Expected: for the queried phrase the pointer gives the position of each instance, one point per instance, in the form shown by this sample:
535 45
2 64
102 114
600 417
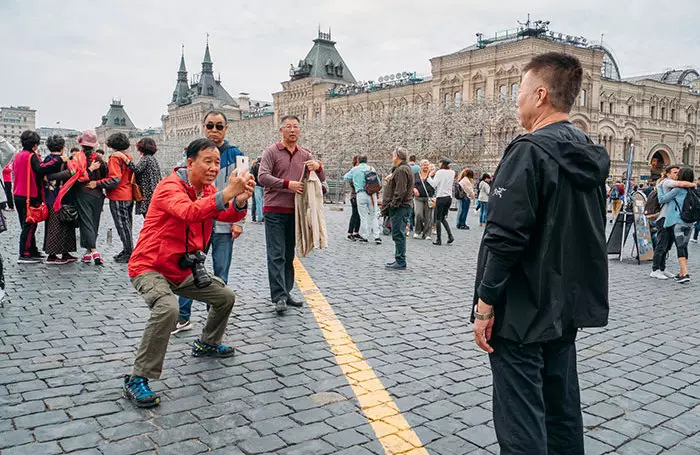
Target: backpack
372 182
459 191
615 192
690 213
652 206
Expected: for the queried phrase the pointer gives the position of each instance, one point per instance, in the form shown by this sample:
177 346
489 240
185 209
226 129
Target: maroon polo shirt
278 167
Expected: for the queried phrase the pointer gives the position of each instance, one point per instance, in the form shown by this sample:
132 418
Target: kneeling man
168 261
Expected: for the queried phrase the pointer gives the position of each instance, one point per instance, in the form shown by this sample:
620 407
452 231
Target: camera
195 262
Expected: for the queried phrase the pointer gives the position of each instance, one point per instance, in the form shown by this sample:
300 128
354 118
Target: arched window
582 99
479 95
123 122
458 99
663 113
652 112
502 93
602 107
629 110
611 108
514 92
447 99
673 115
690 118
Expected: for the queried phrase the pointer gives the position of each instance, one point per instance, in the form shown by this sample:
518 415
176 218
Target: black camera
195 262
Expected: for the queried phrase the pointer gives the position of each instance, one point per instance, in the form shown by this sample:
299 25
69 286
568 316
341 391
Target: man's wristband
483 317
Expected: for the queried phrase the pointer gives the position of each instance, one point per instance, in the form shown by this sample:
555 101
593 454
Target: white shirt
484 190
443 182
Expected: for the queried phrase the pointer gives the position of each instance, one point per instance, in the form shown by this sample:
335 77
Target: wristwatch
483 317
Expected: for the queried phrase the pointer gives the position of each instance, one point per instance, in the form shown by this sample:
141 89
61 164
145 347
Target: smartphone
242 162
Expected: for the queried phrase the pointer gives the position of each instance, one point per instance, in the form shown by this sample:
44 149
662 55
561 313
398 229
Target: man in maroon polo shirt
282 168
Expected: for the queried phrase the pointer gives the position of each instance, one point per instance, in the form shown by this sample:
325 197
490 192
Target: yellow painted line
392 430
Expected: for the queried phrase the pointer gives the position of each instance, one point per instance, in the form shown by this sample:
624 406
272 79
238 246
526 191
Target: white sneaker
427 237
658 274
693 241
416 236
181 326
668 274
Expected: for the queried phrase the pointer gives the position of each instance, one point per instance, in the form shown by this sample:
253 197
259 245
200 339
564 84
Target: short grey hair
401 153
288 117
422 162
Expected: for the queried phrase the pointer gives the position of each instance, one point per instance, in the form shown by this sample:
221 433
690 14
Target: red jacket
174 207
118 181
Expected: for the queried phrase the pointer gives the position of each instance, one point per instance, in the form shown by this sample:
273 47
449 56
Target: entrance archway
658 162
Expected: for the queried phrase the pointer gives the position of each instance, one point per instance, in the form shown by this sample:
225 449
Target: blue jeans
484 212
463 212
258 195
399 219
221 252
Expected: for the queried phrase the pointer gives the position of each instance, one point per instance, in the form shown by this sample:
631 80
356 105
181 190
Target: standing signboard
645 247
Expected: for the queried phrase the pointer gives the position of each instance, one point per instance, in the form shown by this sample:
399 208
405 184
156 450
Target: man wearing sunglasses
215 128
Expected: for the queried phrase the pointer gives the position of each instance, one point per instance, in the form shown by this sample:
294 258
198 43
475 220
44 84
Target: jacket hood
585 164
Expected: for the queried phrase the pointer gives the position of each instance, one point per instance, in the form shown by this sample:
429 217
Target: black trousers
442 206
536 398
281 240
27 238
664 242
8 194
354 226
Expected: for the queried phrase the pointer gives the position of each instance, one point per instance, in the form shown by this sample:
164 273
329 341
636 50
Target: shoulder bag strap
29 185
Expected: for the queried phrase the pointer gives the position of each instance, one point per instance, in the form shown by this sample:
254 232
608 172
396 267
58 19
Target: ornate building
115 121
15 120
657 113
191 101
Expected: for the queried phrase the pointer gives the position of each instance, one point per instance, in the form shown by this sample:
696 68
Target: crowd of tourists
544 234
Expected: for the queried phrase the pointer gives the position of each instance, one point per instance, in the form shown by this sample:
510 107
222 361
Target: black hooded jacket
542 262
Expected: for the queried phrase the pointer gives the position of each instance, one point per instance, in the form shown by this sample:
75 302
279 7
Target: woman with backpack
682 228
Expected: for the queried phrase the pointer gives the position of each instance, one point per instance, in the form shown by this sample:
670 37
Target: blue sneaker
202 349
136 389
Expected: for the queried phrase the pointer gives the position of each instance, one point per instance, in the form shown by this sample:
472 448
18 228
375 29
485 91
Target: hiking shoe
351 237
181 326
658 274
668 274
202 349
137 390
87 258
281 306
682 279
97 257
67 258
28 260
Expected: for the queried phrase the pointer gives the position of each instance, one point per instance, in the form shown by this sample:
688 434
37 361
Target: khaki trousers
160 296
616 207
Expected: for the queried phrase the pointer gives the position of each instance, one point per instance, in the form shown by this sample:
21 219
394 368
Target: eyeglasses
218 126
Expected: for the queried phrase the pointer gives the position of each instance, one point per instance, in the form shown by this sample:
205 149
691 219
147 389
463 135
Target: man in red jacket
169 260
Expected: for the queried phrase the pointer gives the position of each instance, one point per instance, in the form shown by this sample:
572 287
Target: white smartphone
242 162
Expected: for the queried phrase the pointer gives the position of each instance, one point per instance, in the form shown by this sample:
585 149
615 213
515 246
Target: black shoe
396 266
281 306
378 241
295 303
202 349
437 242
390 263
450 240
362 240
466 227
123 259
351 237
357 236
37 255
682 279
121 253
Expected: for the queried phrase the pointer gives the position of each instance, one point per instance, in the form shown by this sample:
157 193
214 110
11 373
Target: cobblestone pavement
68 335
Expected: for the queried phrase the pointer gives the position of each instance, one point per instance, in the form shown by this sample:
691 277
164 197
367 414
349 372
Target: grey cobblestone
284 393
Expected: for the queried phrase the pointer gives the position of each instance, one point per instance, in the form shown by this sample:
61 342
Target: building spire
183 68
207 65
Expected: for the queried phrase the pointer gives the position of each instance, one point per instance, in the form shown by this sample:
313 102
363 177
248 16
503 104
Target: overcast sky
68 59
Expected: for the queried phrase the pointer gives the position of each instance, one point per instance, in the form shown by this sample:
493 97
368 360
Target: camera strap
187 240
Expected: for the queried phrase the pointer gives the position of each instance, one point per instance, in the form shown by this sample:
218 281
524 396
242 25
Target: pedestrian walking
542 270
7 184
59 235
354 226
282 167
443 181
366 200
465 181
424 202
616 194
483 198
147 173
89 199
397 202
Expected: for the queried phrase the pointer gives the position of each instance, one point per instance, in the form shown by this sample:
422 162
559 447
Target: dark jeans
412 218
8 193
27 238
695 235
354 226
664 241
399 218
280 239
442 206
464 211
536 398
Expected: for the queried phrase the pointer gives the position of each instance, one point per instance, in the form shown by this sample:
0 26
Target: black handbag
67 214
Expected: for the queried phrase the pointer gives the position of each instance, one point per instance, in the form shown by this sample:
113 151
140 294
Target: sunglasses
218 126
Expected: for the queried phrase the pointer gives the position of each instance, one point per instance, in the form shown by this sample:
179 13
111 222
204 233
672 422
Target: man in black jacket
396 203
542 271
